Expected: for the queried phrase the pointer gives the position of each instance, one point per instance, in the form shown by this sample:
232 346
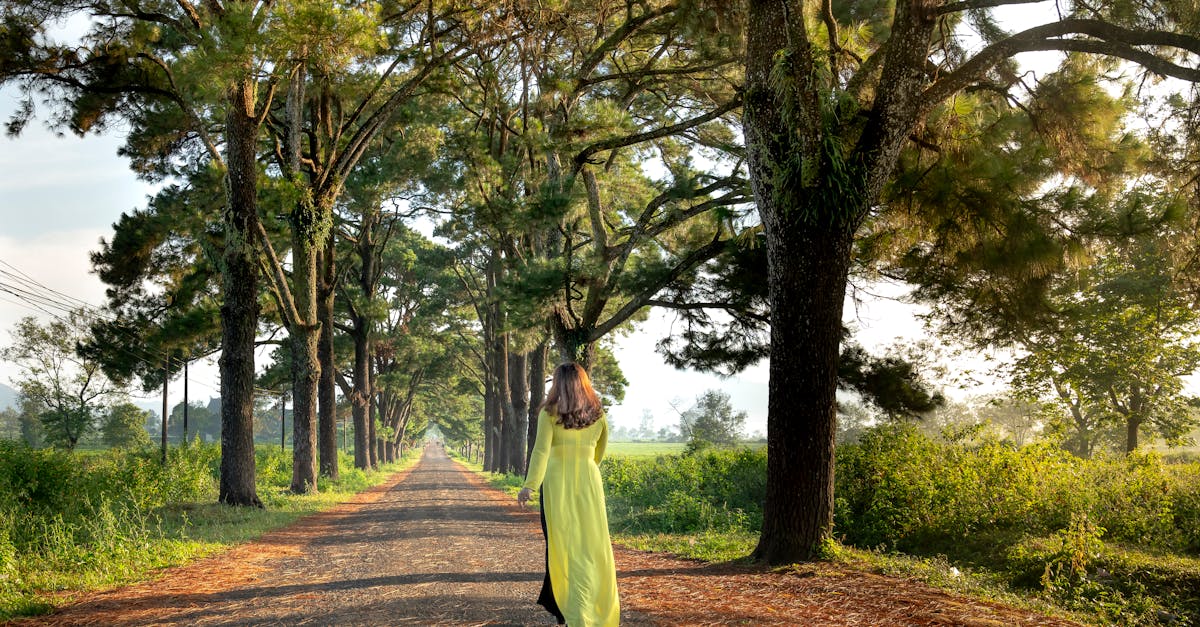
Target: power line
33 292
33 295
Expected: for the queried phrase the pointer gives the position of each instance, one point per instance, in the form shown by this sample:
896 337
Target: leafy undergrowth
70 523
1110 540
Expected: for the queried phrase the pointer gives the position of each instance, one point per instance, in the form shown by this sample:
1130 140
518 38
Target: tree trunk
1134 417
537 394
1132 425
361 398
808 260
504 403
807 274
570 341
372 437
239 307
518 373
489 403
307 239
327 418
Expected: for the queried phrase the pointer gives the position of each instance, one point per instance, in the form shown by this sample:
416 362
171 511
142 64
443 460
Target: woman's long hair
571 399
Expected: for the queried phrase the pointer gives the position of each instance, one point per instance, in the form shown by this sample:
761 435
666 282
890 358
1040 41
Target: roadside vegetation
1113 540
71 523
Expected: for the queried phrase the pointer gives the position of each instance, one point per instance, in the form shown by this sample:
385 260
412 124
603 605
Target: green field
644 449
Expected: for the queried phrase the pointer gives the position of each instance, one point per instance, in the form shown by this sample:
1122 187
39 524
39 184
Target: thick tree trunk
808 252
537 394
372 436
307 240
495 421
807 273
518 373
489 403
571 342
1134 419
239 309
361 398
504 404
327 392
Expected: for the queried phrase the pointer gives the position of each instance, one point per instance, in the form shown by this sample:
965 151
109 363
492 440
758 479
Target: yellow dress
565 465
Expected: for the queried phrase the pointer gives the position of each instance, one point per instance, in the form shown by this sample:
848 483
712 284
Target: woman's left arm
602 442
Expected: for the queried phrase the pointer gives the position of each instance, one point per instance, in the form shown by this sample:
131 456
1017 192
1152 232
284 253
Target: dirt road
435 546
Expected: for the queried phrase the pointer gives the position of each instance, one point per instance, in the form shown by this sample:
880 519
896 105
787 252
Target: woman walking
581 579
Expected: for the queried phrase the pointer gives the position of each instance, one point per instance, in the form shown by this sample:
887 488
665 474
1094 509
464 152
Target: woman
581 579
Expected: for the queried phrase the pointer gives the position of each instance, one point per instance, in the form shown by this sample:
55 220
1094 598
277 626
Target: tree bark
307 239
372 437
537 394
570 340
327 418
1131 434
807 268
807 272
239 309
518 373
361 398
489 404
504 402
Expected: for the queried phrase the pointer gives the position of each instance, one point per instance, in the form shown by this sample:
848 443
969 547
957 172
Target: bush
1035 516
709 490
75 520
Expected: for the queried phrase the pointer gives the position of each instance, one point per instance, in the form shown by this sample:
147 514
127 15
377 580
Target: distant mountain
8 397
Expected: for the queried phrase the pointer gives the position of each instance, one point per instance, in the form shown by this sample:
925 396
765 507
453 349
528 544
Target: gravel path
430 548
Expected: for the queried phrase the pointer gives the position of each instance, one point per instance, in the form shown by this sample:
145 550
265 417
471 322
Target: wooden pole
185 400
282 418
166 372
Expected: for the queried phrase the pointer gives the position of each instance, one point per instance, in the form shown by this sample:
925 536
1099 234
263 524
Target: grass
644 449
117 542
711 546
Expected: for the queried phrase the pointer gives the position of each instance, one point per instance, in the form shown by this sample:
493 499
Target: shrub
709 490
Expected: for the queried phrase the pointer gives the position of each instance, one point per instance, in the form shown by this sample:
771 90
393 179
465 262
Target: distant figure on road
580 587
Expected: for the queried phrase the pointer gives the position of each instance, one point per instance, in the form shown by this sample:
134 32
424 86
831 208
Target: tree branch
637 138
700 255
763 318
620 34
1110 40
191 12
287 304
967 5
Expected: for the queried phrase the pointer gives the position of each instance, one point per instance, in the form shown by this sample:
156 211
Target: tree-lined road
436 546
428 548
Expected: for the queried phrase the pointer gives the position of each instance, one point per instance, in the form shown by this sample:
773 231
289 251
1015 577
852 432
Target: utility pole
166 377
185 400
282 417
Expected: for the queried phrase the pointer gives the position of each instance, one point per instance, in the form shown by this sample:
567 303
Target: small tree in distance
711 421
67 388
124 427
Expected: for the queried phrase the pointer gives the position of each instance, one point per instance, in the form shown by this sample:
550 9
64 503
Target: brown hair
571 399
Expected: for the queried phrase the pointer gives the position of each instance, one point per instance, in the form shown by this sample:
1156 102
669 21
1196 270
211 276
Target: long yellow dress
565 465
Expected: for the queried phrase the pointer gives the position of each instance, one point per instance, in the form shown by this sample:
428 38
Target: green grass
710 546
128 526
643 449
654 449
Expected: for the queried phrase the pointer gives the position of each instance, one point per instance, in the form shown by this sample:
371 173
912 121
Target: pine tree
833 95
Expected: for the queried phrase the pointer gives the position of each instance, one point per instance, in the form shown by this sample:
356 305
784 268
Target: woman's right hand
523 496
